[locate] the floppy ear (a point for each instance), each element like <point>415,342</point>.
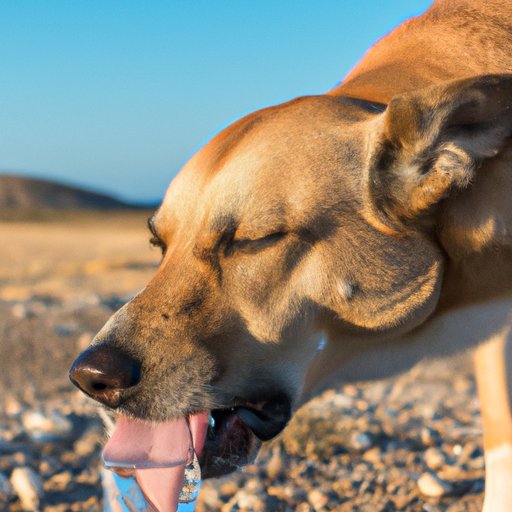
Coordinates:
<point>433,139</point>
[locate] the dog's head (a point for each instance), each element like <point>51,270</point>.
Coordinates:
<point>307,220</point>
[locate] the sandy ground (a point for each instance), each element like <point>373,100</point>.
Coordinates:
<point>364,448</point>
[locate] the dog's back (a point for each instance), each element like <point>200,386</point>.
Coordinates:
<point>429,49</point>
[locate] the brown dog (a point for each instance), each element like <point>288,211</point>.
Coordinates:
<point>377,216</point>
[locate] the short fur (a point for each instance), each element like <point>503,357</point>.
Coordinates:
<point>377,216</point>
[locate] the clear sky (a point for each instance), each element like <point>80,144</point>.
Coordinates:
<point>117,95</point>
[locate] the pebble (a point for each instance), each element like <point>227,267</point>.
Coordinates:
<point>20,311</point>
<point>434,458</point>
<point>361,441</point>
<point>89,442</point>
<point>317,499</point>
<point>60,481</point>
<point>228,489</point>
<point>47,428</point>
<point>28,486</point>
<point>12,406</point>
<point>250,502</point>
<point>84,340</point>
<point>433,486</point>
<point>275,465</point>
<point>429,436</point>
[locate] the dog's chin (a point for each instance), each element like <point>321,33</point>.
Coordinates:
<point>229,444</point>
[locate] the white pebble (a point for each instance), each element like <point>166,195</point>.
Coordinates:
<point>361,441</point>
<point>432,486</point>
<point>46,428</point>
<point>28,486</point>
<point>434,458</point>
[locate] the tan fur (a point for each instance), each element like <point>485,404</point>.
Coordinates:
<point>385,232</point>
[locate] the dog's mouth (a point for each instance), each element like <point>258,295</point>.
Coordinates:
<point>220,442</point>
<point>235,434</point>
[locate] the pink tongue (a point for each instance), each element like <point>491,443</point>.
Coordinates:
<point>158,452</point>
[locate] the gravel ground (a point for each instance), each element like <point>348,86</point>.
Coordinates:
<point>409,443</point>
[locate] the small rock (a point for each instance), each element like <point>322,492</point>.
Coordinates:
<point>361,441</point>
<point>47,428</point>
<point>228,489</point>
<point>254,486</point>
<point>9,433</point>
<point>49,466</point>
<point>89,442</point>
<point>28,486</point>
<point>20,458</point>
<point>209,499</point>
<point>401,502</point>
<point>434,458</point>
<point>317,499</point>
<point>275,465</point>
<point>12,407</point>
<point>433,486</point>
<point>88,476</point>
<point>20,311</point>
<point>373,455</point>
<point>278,492</point>
<point>84,340</point>
<point>249,501</point>
<point>429,436</point>
<point>59,482</point>
<point>457,450</point>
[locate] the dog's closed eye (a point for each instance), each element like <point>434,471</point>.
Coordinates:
<point>253,245</point>
<point>155,240</point>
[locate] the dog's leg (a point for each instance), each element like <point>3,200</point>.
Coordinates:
<point>493,368</point>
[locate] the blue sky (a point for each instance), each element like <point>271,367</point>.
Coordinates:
<point>117,95</point>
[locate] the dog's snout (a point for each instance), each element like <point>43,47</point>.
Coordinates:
<point>105,374</point>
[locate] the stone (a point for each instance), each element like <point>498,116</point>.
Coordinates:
<point>28,486</point>
<point>361,441</point>
<point>47,428</point>
<point>20,311</point>
<point>317,499</point>
<point>429,436</point>
<point>433,486</point>
<point>12,406</point>
<point>60,481</point>
<point>249,502</point>
<point>89,442</point>
<point>275,465</point>
<point>49,466</point>
<point>434,458</point>
<point>209,499</point>
<point>84,340</point>
<point>373,455</point>
<point>228,489</point>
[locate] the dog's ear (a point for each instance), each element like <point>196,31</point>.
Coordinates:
<point>432,140</point>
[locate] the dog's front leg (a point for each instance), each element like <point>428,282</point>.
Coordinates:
<point>493,368</point>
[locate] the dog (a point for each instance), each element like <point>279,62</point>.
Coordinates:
<point>374,219</point>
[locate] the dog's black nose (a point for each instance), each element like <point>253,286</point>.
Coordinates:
<point>104,373</point>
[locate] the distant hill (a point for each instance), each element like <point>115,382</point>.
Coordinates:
<point>22,193</point>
